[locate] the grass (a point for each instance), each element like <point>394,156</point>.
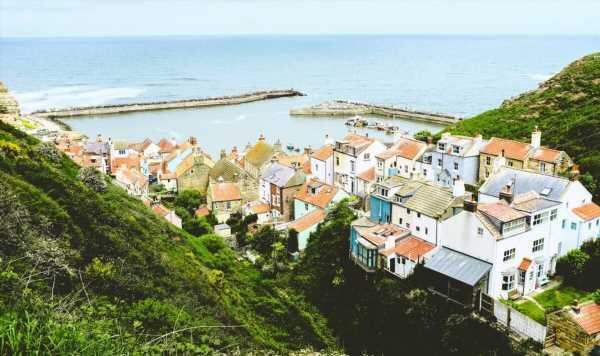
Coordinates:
<point>530,309</point>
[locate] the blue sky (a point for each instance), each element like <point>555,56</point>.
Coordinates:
<point>200,17</point>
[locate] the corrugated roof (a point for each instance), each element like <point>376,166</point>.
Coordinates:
<point>458,266</point>
<point>549,187</point>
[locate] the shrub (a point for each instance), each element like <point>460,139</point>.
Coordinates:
<point>572,267</point>
<point>92,179</point>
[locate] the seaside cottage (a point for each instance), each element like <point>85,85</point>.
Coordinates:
<point>354,163</point>
<point>256,158</point>
<point>519,155</point>
<point>321,164</point>
<point>454,158</point>
<point>192,171</point>
<point>231,172</point>
<point>260,209</point>
<point>403,158</point>
<point>224,199</point>
<point>307,224</point>
<point>576,328</point>
<point>278,184</point>
<point>132,180</point>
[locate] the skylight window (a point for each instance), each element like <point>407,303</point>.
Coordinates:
<point>546,191</point>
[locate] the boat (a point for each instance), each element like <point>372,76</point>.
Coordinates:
<point>290,146</point>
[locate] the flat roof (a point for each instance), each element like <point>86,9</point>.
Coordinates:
<point>458,266</point>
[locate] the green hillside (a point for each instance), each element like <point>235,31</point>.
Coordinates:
<point>86,269</point>
<point>567,110</point>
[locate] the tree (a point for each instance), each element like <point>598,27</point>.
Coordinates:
<point>423,135</point>
<point>197,226</point>
<point>572,267</point>
<point>93,179</point>
<point>292,241</point>
<point>190,200</point>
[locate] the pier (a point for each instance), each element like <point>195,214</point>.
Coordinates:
<point>166,105</point>
<point>348,108</point>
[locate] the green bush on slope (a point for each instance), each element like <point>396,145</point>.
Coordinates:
<point>59,236</point>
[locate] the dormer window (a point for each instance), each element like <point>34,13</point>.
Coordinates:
<point>384,192</point>
<point>367,156</point>
<point>514,226</point>
<point>441,146</point>
<point>456,149</point>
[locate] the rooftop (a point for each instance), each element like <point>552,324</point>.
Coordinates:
<point>225,192</point>
<point>378,234</point>
<point>323,153</point>
<point>501,211</point>
<point>367,175</point>
<point>410,247</point>
<point>458,266</point>
<point>588,211</point>
<point>283,176</point>
<point>512,149</point>
<point>258,154</point>
<point>588,318</point>
<point>321,198</point>
<point>549,187</point>
<point>308,220</point>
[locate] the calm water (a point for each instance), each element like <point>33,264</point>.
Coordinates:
<point>462,75</point>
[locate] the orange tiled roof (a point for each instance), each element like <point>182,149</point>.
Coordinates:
<point>132,161</point>
<point>525,263</point>
<point>308,220</point>
<point>324,195</point>
<point>378,234</point>
<point>202,211</point>
<point>306,167</point>
<point>546,154</point>
<point>512,149</point>
<point>588,211</point>
<point>225,192</point>
<point>405,147</point>
<point>160,209</point>
<point>410,247</point>
<point>368,175</point>
<point>165,146</point>
<point>323,153</point>
<point>260,208</point>
<point>588,318</point>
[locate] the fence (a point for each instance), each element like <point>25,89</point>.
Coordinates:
<point>522,324</point>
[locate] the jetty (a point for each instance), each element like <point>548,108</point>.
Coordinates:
<point>165,105</point>
<point>349,108</point>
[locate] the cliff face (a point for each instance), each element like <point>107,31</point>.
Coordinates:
<point>9,107</point>
<point>567,110</point>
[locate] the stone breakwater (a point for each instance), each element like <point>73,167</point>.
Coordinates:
<point>348,108</point>
<point>166,105</point>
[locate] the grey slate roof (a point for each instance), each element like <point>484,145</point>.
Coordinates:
<point>533,205</point>
<point>458,266</point>
<point>283,176</point>
<point>524,182</point>
<point>99,148</point>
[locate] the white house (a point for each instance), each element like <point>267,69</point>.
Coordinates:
<point>277,186</point>
<point>132,180</point>
<point>167,214</point>
<point>403,159</point>
<point>454,158</point>
<point>354,160</point>
<point>321,164</point>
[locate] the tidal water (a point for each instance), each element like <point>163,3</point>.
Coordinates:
<point>460,75</point>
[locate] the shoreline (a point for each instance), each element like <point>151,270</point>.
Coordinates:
<point>348,108</point>
<point>56,114</point>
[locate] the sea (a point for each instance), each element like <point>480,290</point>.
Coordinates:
<point>459,75</point>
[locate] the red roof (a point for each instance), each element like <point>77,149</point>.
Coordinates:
<point>132,161</point>
<point>321,198</point>
<point>410,247</point>
<point>525,263</point>
<point>512,149</point>
<point>368,175</point>
<point>588,211</point>
<point>323,153</point>
<point>308,220</point>
<point>260,208</point>
<point>201,211</point>
<point>588,318</point>
<point>546,154</point>
<point>405,147</point>
<point>225,192</point>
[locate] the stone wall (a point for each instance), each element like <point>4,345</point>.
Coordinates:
<point>568,335</point>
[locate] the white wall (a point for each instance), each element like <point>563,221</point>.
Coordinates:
<point>427,226</point>
<point>322,170</point>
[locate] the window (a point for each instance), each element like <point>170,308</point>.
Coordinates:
<point>573,226</point>
<point>439,162</point>
<point>542,167</point>
<point>522,275</point>
<point>553,214</point>
<point>228,205</point>
<point>379,163</point>
<point>441,146</point>
<point>564,224</point>
<point>384,192</point>
<point>540,270</point>
<point>509,255</point>
<point>515,225</point>
<point>488,160</point>
<point>597,222</point>
<point>456,166</point>
<point>455,149</point>
<point>408,211</point>
<point>305,206</point>
<point>418,228</point>
<point>337,161</point>
<point>352,166</point>
<point>400,221</point>
<point>403,260</point>
<point>510,163</point>
<point>367,156</point>
<point>480,231</point>
<point>425,172</point>
<point>546,191</point>
<point>418,215</point>
<point>426,231</point>
<point>121,152</point>
<point>508,282</point>
<point>538,245</point>
<point>540,218</point>
<point>405,169</point>
<point>408,225</point>
<point>531,275</point>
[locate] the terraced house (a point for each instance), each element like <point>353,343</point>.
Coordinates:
<point>224,199</point>
<point>354,163</point>
<point>527,156</point>
<point>278,184</point>
<point>403,158</point>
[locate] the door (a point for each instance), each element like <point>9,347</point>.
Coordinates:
<point>393,265</point>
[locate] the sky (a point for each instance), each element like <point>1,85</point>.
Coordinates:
<point>57,18</point>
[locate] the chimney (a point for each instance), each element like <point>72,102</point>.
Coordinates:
<point>478,138</point>
<point>575,306</point>
<point>536,138</point>
<point>193,141</point>
<point>458,189</point>
<point>308,150</point>
<point>173,142</point>
<point>223,154</point>
<point>234,153</point>
<point>261,138</point>
<point>429,140</point>
<point>574,173</point>
<point>507,193</point>
<point>445,135</point>
<point>470,205</point>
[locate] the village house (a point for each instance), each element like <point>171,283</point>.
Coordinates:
<point>96,154</point>
<point>375,246</point>
<point>416,205</point>
<point>572,198</point>
<point>224,199</point>
<point>321,164</point>
<point>278,184</point>
<point>260,209</point>
<point>122,155</point>
<point>132,180</point>
<point>354,163</point>
<point>454,158</point>
<point>312,196</point>
<point>230,172</point>
<point>202,211</point>
<point>189,166</point>
<point>527,156</point>
<point>256,158</point>
<point>576,328</point>
<point>403,159</point>
<point>167,214</point>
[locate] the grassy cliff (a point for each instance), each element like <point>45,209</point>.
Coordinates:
<point>567,110</point>
<point>86,269</point>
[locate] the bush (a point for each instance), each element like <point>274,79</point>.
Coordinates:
<point>423,135</point>
<point>572,267</point>
<point>92,179</point>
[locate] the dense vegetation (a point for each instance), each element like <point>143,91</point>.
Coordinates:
<point>579,268</point>
<point>84,268</point>
<point>567,110</point>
